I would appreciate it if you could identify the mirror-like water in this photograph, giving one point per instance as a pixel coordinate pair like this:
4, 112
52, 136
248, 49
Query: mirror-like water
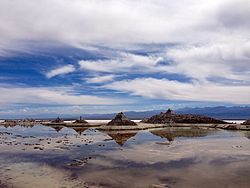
41, 156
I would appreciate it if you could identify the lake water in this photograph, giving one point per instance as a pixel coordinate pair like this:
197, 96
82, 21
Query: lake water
42, 156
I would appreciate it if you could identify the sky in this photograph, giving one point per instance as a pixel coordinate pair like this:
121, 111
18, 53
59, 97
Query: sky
62, 57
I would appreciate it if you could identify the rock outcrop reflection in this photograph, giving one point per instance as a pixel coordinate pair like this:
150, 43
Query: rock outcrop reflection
121, 137
171, 133
79, 130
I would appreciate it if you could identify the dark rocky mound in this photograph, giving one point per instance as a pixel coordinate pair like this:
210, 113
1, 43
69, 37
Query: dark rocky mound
247, 122
28, 120
172, 117
10, 122
58, 120
121, 119
82, 121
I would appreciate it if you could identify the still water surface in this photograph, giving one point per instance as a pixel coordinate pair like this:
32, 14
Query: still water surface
42, 156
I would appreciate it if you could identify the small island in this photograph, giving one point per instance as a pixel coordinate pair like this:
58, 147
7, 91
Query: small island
247, 122
170, 117
121, 120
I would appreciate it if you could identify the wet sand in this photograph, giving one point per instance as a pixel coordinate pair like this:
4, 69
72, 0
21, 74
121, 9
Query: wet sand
42, 156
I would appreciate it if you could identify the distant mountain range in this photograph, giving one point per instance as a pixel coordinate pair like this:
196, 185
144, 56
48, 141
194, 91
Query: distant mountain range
220, 112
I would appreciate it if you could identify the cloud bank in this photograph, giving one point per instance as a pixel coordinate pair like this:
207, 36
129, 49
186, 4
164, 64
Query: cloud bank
186, 50
52, 96
174, 90
116, 23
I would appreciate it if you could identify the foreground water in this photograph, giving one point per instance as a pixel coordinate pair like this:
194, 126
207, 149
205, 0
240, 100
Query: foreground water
41, 156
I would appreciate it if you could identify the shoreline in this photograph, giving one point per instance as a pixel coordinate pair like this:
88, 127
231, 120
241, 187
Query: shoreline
139, 126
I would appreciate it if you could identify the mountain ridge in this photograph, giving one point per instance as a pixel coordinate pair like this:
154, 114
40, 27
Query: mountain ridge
219, 112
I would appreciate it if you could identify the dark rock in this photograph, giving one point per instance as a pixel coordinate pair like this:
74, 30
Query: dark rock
28, 120
121, 119
58, 120
169, 111
170, 117
82, 121
247, 122
10, 123
39, 148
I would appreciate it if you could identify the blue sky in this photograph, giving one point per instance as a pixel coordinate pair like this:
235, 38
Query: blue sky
73, 57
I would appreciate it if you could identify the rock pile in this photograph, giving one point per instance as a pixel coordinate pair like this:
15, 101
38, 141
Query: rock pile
10, 122
171, 117
247, 122
82, 121
121, 119
58, 120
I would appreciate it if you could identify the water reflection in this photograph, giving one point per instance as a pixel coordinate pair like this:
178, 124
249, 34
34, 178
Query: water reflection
171, 133
79, 130
247, 135
21, 125
81, 157
121, 137
57, 128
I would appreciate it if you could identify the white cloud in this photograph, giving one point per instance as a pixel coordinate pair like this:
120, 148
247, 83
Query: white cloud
124, 62
174, 90
212, 36
224, 59
61, 70
101, 79
123, 22
211, 40
227, 59
52, 95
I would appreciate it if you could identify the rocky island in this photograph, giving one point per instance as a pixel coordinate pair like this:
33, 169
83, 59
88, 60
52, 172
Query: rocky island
57, 121
170, 117
80, 122
121, 120
247, 122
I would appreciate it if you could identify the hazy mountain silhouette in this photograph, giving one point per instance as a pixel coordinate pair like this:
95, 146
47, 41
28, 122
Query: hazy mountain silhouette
219, 112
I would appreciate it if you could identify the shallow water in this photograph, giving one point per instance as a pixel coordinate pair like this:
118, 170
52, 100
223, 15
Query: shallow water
41, 156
